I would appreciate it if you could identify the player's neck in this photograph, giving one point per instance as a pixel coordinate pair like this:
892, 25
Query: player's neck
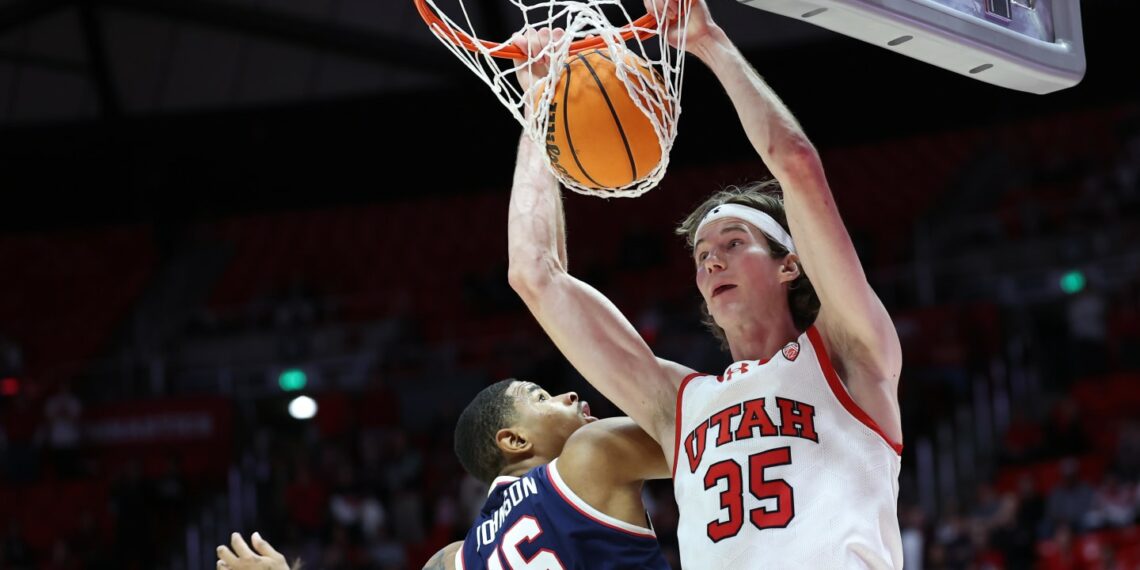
760, 338
520, 468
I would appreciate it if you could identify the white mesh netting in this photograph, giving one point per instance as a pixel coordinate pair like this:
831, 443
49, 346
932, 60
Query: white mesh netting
601, 20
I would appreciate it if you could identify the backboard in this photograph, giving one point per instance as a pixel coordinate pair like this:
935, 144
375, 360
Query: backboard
1028, 45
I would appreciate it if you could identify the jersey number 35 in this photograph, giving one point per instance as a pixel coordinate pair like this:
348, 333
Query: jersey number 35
732, 498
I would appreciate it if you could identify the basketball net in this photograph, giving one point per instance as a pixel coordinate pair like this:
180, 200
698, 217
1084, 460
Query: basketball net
586, 27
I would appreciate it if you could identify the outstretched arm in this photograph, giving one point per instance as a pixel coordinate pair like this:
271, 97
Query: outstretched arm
856, 327
589, 330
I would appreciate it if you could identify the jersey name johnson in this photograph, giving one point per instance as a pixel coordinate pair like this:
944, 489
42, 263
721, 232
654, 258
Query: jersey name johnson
536, 522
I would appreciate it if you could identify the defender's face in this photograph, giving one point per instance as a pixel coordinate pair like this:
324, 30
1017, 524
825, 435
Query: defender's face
548, 420
735, 270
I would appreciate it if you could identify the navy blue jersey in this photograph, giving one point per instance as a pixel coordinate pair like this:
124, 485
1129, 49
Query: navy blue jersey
537, 523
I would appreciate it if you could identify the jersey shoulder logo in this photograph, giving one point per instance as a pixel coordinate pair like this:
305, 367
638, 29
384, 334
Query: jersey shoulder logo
791, 351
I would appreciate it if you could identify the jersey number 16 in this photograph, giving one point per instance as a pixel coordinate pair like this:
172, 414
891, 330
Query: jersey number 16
525, 529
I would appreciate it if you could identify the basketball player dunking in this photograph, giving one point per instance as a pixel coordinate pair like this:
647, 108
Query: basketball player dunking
565, 489
790, 457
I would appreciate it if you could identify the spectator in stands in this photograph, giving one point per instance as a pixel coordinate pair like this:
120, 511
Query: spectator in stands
1057, 552
1023, 439
1126, 175
355, 508
1088, 333
913, 537
21, 422
306, 500
62, 413
11, 358
1069, 501
948, 356
386, 552
954, 539
988, 506
986, 555
1127, 460
1030, 517
1003, 535
408, 508
342, 551
1114, 504
295, 312
405, 462
169, 500
296, 306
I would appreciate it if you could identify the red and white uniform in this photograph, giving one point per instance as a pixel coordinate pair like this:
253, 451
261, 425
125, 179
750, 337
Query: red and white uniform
777, 467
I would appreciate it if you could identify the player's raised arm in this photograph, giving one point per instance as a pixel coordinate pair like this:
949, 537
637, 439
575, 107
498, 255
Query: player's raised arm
855, 325
589, 330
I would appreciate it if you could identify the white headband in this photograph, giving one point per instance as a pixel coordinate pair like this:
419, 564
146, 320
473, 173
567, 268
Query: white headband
764, 222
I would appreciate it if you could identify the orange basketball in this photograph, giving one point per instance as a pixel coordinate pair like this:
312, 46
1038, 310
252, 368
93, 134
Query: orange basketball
596, 135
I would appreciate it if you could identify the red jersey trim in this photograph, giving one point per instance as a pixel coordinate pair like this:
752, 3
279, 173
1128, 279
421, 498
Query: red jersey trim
841, 392
677, 419
589, 512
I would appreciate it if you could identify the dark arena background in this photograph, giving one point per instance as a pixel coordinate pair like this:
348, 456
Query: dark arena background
212, 208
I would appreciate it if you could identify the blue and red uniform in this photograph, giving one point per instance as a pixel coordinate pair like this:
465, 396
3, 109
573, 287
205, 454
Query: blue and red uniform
536, 522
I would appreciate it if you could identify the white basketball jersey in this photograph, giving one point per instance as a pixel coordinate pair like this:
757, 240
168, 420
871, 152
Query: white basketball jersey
775, 466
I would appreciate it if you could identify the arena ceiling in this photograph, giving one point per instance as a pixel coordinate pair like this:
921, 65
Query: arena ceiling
147, 110
86, 59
